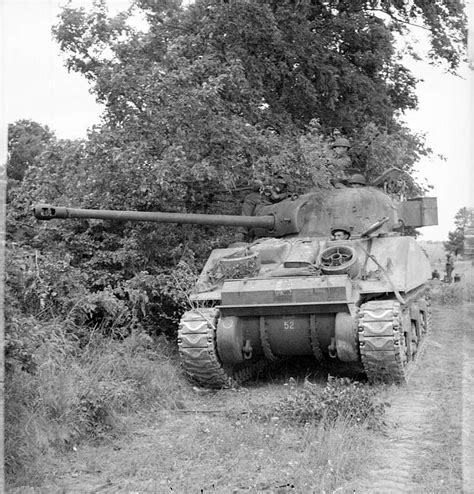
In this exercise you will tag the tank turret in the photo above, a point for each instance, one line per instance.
(296, 290)
(308, 215)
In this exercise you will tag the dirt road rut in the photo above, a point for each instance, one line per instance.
(423, 450)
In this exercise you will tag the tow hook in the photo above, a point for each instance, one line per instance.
(247, 350)
(332, 348)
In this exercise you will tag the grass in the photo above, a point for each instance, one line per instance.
(150, 441)
(73, 394)
(336, 455)
(440, 469)
(449, 294)
(213, 453)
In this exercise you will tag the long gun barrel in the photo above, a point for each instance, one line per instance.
(48, 212)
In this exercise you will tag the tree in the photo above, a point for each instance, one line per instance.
(443, 20)
(218, 86)
(52, 174)
(455, 243)
(26, 141)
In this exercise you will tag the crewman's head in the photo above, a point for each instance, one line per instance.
(340, 232)
(341, 146)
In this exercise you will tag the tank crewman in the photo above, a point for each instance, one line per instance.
(340, 232)
(276, 191)
(341, 160)
(435, 275)
(252, 202)
(449, 268)
(279, 188)
(394, 183)
(357, 180)
(340, 148)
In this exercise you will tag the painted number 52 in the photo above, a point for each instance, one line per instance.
(289, 325)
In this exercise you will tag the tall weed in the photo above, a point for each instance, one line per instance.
(70, 392)
(452, 293)
(335, 455)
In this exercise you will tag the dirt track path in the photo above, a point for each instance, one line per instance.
(423, 449)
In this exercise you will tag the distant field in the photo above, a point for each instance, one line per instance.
(435, 251)
(437, 256)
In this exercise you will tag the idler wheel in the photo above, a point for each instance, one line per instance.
(339, 259)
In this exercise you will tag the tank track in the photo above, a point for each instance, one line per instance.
(382, 342)
(198, 352)
(427, 322)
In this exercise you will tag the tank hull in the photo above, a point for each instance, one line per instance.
(386, 264)
(352, 316)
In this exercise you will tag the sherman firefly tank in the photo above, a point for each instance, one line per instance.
(295, 292)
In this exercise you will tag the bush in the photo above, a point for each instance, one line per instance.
(46, 286)
(43, 285)
(340, 399)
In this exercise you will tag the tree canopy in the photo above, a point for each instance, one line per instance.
(220, 92)
(26, 141)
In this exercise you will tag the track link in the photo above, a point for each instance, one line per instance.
(197, 349)
(382, 342)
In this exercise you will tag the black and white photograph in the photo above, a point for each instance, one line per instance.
(237, 246)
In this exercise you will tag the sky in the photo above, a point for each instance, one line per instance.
(36, 85)
(444, 116)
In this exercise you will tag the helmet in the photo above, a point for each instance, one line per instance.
(341, 142)
(340, 228)
(357, 179)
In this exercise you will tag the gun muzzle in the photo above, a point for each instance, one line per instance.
(47, 212)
